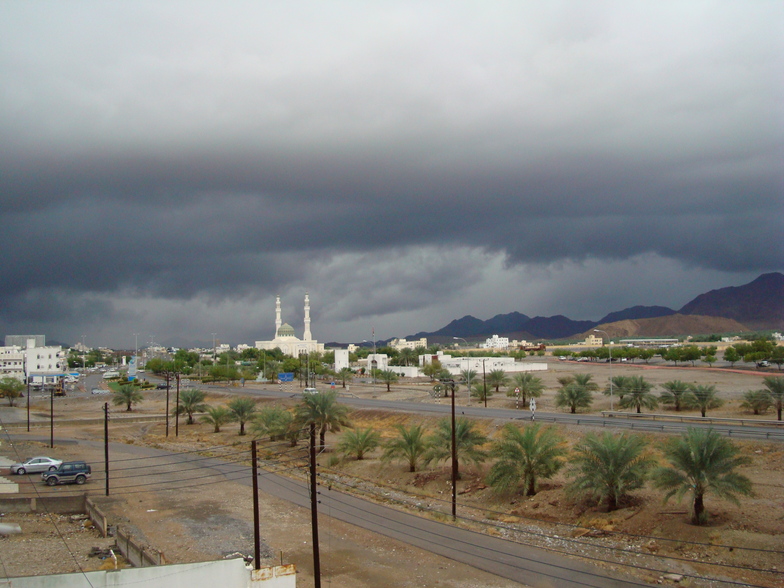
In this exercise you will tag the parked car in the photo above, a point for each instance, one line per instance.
(68, 472)
(310, 391)
(160, 387)
(34, 465)
(100, 391)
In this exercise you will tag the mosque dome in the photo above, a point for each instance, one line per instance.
(286, 330)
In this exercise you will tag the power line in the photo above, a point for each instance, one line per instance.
(569, 525)
(584, 556)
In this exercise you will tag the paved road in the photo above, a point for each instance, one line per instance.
(644, 423)
(527, 565)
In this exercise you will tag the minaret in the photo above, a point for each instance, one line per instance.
(307, 336)
(278, 322)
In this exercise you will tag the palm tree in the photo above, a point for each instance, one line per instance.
(243, 410)
(410, 445)
(619, 384)
(468, 378)
(586, 381)
(775, 385)
(480, 391)
(573, 396)
(757, 401)
(702, 461)
(497, 378)
(277, 422)
(703, 397)
(389, 377)
(637, 394)
(530, 386)
(217, 416)
(525, 455)
(359, 442)
(467, 443)
(191, 401)
(346, 375)
(608, 467)
(324, 411)
(127, 395)
(675, 393)
(408, 355)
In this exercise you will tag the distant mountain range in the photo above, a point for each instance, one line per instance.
(757, 305)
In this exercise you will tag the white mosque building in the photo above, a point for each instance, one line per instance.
(285, 337)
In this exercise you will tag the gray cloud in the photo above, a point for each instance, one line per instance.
(401, 159)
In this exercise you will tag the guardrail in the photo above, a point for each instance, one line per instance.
(90, 421)
(653, 427)
(692, 419)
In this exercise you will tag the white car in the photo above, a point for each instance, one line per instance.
(310, 391)
(36, 464)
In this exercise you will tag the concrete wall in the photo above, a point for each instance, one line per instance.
(230, 573)
(54, 504)
(139, 555)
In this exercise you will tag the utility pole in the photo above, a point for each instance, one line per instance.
(106, 442)
(28, 404)
(168, 377)
(177, 410)
(484, 381)
(256, 517)
(51, 412)
(454, 458)
(314, 507)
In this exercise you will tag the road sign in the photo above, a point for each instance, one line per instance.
(286, 376)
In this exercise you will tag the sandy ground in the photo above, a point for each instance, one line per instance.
(215, 520)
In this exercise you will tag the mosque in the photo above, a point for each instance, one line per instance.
(285, 337)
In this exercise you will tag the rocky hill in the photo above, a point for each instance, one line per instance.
(670, 326)
(758, 304)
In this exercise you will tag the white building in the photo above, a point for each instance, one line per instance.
(455, 365)
(403, 344)
(33, 363)
(341, 359)
(496, 342)
(285, 338)
(377, 361)
(12, 362)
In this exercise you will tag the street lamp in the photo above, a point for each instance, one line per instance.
(375, 359)
(463, 340)
(609, 346)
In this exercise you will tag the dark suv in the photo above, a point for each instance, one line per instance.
(69, 472)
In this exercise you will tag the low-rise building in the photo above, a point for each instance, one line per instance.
(496, 342)
(31, 363)
(403, 344)
(650, 343)
(593, 341)
(12, 362)
(455, 365)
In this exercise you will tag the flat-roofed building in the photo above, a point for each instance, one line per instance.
(656, 343)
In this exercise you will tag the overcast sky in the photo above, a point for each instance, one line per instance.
(167, 168)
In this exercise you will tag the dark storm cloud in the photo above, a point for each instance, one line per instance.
(197, 151)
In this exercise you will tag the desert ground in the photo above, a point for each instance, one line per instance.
(212, 521)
